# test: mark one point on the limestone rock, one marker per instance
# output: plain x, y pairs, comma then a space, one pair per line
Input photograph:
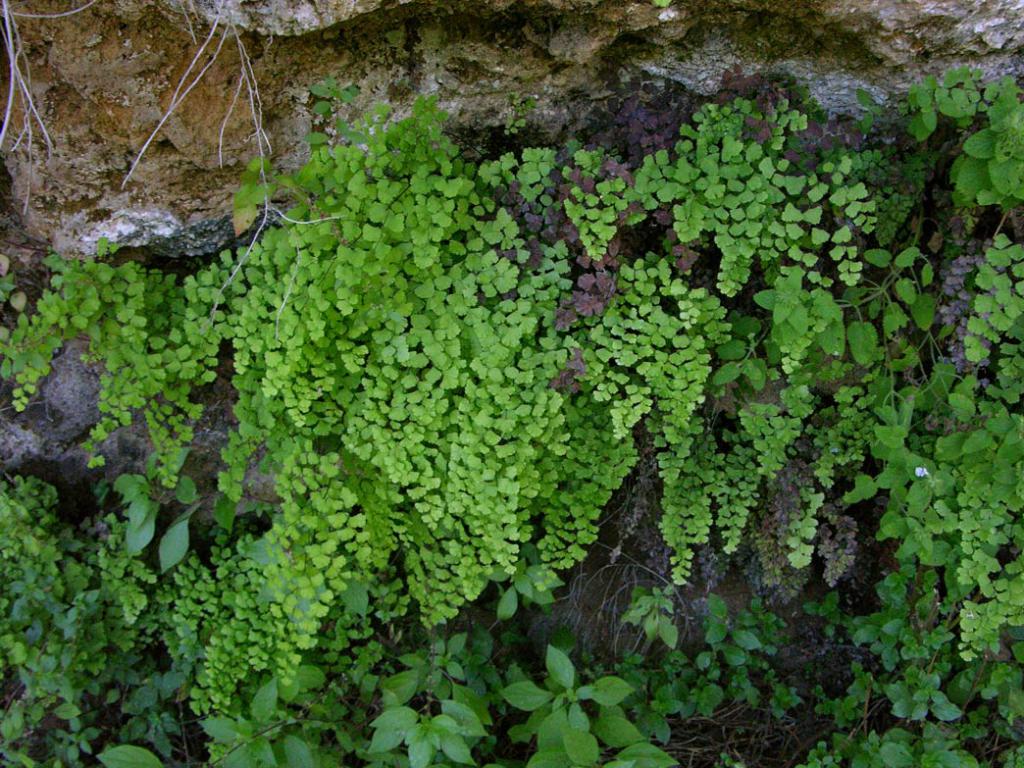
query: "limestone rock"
104, 79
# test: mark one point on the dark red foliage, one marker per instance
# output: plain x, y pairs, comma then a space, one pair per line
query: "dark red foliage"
593, 292
642, 122
632, 126
686, 257
567, 379
765, 92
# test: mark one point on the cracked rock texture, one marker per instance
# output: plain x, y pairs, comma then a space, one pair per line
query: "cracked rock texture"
102, 80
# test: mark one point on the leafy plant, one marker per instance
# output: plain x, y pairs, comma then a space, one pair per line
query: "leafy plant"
70, 625
565, 733
653, 609
142, 509
520, 108
802, 341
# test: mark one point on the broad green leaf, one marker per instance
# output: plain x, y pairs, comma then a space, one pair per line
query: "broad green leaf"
264, 703
128, 756
581, 747
906, 290
893, 319
243, 216
715, 631
607, 691
473, 700
139, 509
746, 640
708, 699
137, 538
943, 708
863, 488
878, 257
577, 717
132, 486
309, 677
297, 753
551, 728
455, 747
174, 544
401, 687
756, 372
923, 124
963, 404
646, 755
923, 311
1007, 177
734, 349
508, 604
421, 748
185, 492
549, 758
223, 730
971, 177
224, 513
668, 632
560, 667
243, 756
67, 711
896, 755
717, 607
467, 720
765, 299
725, 374
907, 257
616, 731
526, 696
733, 655
976, 441
12, 725
981, 145
356, 598
391, 728
863, 340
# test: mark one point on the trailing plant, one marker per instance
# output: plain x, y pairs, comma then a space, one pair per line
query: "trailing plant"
136, 322
451, 368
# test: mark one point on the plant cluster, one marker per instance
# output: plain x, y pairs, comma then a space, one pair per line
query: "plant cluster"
454, 696
451, 368
69, 607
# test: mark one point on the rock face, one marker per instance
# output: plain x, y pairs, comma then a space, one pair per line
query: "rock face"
103, 79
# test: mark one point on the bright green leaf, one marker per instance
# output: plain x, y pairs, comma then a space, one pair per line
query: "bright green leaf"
560, 667
128, 756
174, 544
526, 696
581, 747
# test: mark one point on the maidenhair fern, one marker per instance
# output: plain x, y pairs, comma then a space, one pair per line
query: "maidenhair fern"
442, 362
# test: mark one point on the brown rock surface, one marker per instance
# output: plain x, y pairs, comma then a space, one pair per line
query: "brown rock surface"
103, 78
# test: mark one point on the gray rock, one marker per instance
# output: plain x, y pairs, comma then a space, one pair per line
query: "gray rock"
204, 238
44, 439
